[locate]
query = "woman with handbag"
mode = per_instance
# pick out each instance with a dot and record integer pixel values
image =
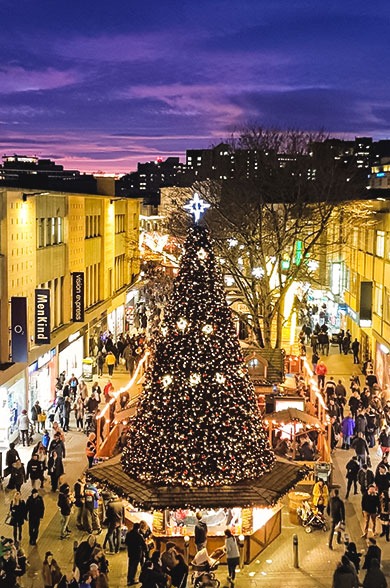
(51, 572)
(384, 514)
(232, 554)
(17, 516)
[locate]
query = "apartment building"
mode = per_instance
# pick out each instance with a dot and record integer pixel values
(66, 264)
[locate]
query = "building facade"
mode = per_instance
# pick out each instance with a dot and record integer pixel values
(66, 265)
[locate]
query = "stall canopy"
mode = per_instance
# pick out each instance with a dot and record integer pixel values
(290, 415)
(262, 492)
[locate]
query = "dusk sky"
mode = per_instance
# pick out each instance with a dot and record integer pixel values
(102, 85)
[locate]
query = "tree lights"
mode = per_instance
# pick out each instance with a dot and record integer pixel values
(197, 422)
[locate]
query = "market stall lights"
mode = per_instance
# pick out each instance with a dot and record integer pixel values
(258, 272)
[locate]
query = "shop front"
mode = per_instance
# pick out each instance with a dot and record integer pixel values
(97, 334)
(42, 376)
(71, 354)
(12, 402)
(132, 298)
(382, 368)
(116, 321)
(324, 309)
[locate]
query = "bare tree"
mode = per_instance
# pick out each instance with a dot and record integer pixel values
(271, 218)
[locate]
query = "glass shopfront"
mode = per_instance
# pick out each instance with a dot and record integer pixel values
(42, 379)
(12, 402)
(116, 321)
(71, 354)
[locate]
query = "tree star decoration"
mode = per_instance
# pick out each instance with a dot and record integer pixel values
(220, 378)
(196, 206)
(202, 254)
(182, 324)
(166, 380)
(258, 272)
(207, 329)
(195, 379)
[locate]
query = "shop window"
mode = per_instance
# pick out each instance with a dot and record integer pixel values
(380, 243)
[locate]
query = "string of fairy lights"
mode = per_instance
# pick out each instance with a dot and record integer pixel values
(198, 421)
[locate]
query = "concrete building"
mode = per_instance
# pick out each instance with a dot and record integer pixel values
(67, 261)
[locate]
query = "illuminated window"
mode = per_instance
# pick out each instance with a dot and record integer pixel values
(380, 243)
(379, 299)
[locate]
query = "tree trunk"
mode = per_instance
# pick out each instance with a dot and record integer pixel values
(267, 329)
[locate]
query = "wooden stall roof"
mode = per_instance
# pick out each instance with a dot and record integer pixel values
(290, 415)
(264, 491)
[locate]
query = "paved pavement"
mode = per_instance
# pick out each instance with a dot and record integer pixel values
(274, 567)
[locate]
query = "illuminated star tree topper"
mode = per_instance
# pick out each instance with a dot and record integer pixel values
(196, 206)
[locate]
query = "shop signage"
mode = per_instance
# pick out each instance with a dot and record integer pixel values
(19, 328)
(78, 297)
(42, 316)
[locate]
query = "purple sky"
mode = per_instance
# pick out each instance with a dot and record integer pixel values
(102, 85)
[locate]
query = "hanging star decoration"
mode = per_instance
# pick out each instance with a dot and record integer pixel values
(196, 206)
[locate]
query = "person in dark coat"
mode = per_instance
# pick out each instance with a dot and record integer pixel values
(365, 478)
(370, 508)
(336, 511)
(345, 575)
(136, 548)
(352, 468)
(11, 456)
(359, 444)
(353, 555)
(35, 509)
(374, 577)
(17, 509)
(114, 517)
(84, 554)
(58, 446)
(373, 552)
(382, 480)
(200, 532)
(35, 469)
(55, 468)
(149, 577)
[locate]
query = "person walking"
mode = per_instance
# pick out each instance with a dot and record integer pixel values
(232, 554)
(365, 478)
(374, 577)
(336, 511)
(56, 469)
(51, 572)
(384, 441)
(347, 430)
(78, 490)
(200, 532)
(23, 424)
(84, 554)
(78, 408)
(359, 444)
(382, 479)
(114, 516)
(373, 552)
(321, 371)
(17, 509)
(35, 510)
(65, 503)
(136, 548)
(36, 411)
(345, 575)
(57, 445)
(370, 508)
(18, 475)
(110, 361)
(320, 496)
(384, 514)
(35, 471)
(90, 449)
(355, 350)
(352, 468)
(91, 508)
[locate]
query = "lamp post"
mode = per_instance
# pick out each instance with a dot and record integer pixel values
(241, 543)
(186, 548)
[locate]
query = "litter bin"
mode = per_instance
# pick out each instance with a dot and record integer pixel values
(295, 501)
(88, 365)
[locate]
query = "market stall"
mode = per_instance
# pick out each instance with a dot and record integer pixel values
(250, 508)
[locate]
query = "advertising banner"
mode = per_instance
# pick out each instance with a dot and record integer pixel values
(78, 297)
(19, 328)
(42, 316)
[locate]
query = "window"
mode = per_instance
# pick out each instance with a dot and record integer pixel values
(386, 306)
(380, 243)
(379, 299)
(49, 231)
(92, 226)
(120, 223)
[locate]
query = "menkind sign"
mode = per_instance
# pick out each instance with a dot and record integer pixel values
(42, 316)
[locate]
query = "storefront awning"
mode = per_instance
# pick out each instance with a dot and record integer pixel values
(262, 492)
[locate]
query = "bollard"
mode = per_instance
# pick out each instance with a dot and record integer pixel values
(295, 551)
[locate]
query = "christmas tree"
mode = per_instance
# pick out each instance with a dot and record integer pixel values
(197, 422)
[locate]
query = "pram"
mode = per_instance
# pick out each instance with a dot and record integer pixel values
(203, 566)
(311, 518)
